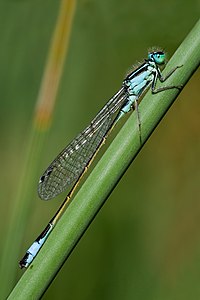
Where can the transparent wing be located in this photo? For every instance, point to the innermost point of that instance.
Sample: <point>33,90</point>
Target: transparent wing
<point>70,163</point>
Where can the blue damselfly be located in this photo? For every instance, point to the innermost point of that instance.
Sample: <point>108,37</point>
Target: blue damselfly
<point>71,164</point>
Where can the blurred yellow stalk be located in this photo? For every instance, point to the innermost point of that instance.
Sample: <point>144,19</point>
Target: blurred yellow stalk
<point>53,71</point>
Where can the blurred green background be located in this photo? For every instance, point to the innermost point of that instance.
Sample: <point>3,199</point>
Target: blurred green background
<point>145,242</point>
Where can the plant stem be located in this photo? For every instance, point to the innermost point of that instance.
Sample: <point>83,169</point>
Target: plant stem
<point>106,174</point>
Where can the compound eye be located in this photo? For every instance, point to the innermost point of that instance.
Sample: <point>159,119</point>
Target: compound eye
<point>159,58</point>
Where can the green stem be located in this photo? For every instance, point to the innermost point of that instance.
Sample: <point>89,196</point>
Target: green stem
<point>106,174</point>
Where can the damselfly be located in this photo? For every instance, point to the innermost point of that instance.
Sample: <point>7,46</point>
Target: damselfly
<point>71,164</point>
